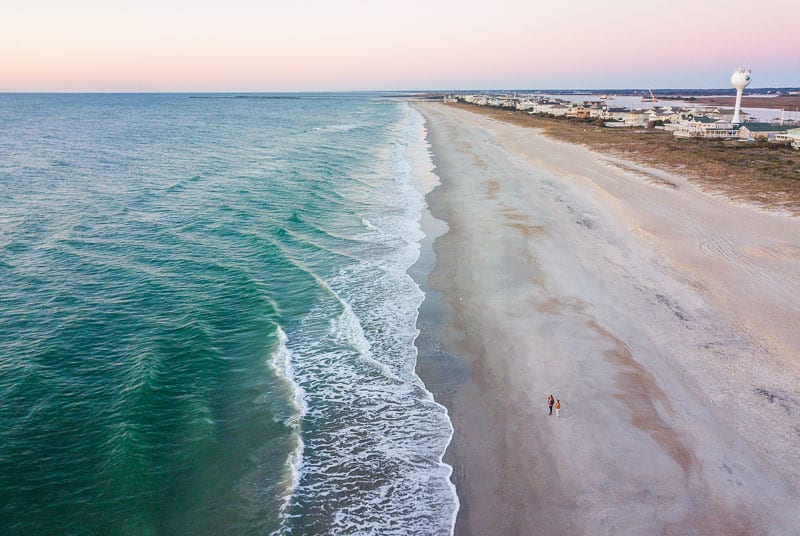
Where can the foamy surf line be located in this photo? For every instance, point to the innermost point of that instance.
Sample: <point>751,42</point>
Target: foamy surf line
<point>281,364</point>
<point>371,444</point>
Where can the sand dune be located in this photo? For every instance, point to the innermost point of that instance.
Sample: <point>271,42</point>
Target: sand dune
<point>664,318</point>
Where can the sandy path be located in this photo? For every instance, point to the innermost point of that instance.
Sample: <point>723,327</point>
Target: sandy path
<point>664,318</point>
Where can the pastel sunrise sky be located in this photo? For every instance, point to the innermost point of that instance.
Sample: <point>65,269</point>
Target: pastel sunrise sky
<point>344,45</point>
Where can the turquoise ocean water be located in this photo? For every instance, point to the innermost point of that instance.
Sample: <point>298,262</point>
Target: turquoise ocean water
<point>206,324</point>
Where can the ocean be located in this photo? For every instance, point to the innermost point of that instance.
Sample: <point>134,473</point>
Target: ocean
<point>207,323</point>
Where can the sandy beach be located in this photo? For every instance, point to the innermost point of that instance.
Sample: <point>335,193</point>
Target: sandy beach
<point>663,317</point>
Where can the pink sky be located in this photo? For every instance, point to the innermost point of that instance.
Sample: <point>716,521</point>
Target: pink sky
<point>315,45</point>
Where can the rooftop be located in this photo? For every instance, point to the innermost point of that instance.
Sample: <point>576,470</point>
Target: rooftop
<point>765,127</point>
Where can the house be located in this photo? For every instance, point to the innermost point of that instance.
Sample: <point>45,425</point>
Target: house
<point>558,110</point>
<point>761,131</point>
<point>792,135</point>
<point>597,111</point>
<point>676,115</point>
<point>634,118</point>
<point>580,111</point>
<point>663,114</point>
<point>543,107</point>
<point>526,104</point>
<point>704,127</point>
<point>614,114</point>
<point>594,109</point>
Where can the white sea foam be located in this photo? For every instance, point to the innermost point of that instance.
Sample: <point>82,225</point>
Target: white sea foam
<point>374,436</point>
<point>337,128</point>
<point>281,364</point>
<point>347,329</point>
<point>368,224</point>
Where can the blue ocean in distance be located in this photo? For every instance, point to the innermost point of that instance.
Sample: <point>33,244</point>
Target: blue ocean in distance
<point>206,321</point>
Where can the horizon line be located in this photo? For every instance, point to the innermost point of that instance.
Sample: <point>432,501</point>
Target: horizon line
<point>372,91</point>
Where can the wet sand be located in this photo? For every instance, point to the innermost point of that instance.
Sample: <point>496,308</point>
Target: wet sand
<point>664,319</point>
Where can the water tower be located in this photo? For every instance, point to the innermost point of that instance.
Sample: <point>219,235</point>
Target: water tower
<point>740,80</point>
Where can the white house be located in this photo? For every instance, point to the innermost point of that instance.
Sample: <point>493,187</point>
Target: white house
<point>635,118</point>
<point>792,135</point>
<point>705,127</point>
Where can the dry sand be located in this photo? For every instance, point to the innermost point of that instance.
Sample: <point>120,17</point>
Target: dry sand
<point>664,318</point>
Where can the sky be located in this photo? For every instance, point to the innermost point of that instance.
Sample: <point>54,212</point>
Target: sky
<point>351,45</point>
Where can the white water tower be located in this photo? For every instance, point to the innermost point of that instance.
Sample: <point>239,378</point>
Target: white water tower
<point>740,80</point>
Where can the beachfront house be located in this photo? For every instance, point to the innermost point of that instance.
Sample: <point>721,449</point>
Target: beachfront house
<point>663,114</point>
<point>761,131</point>
<point>792,135</point>
<point>614,113</point>
<point>579,111</point>
<point>557,110</point>
<point>677,115</point>
<point>586,110</point>
<point>595,109</point>
<point>653,116</point>
<point>542,107</point>
<point>704,127</point>
<point>635,118</point>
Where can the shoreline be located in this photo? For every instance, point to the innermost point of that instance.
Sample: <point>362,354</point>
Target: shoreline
<point>431,362</point>
<point>652,437</point>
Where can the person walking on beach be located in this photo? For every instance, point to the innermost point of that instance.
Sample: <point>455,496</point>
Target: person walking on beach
<point>550,402</point>
<point>558,407</point>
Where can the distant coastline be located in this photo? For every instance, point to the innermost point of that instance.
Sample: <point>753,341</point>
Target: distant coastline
<point>659,92</point>
<point>787,98</point>
<point>758,173</point>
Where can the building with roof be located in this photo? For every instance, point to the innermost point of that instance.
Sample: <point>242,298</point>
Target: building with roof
<point>558,110</point>
<point>792,135</point>
<point>636,118</point>
<point>580,111</point>
<point>761,131</point>
<point>705,127</point>
<point>614,113</point>
<point>526,104</point>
